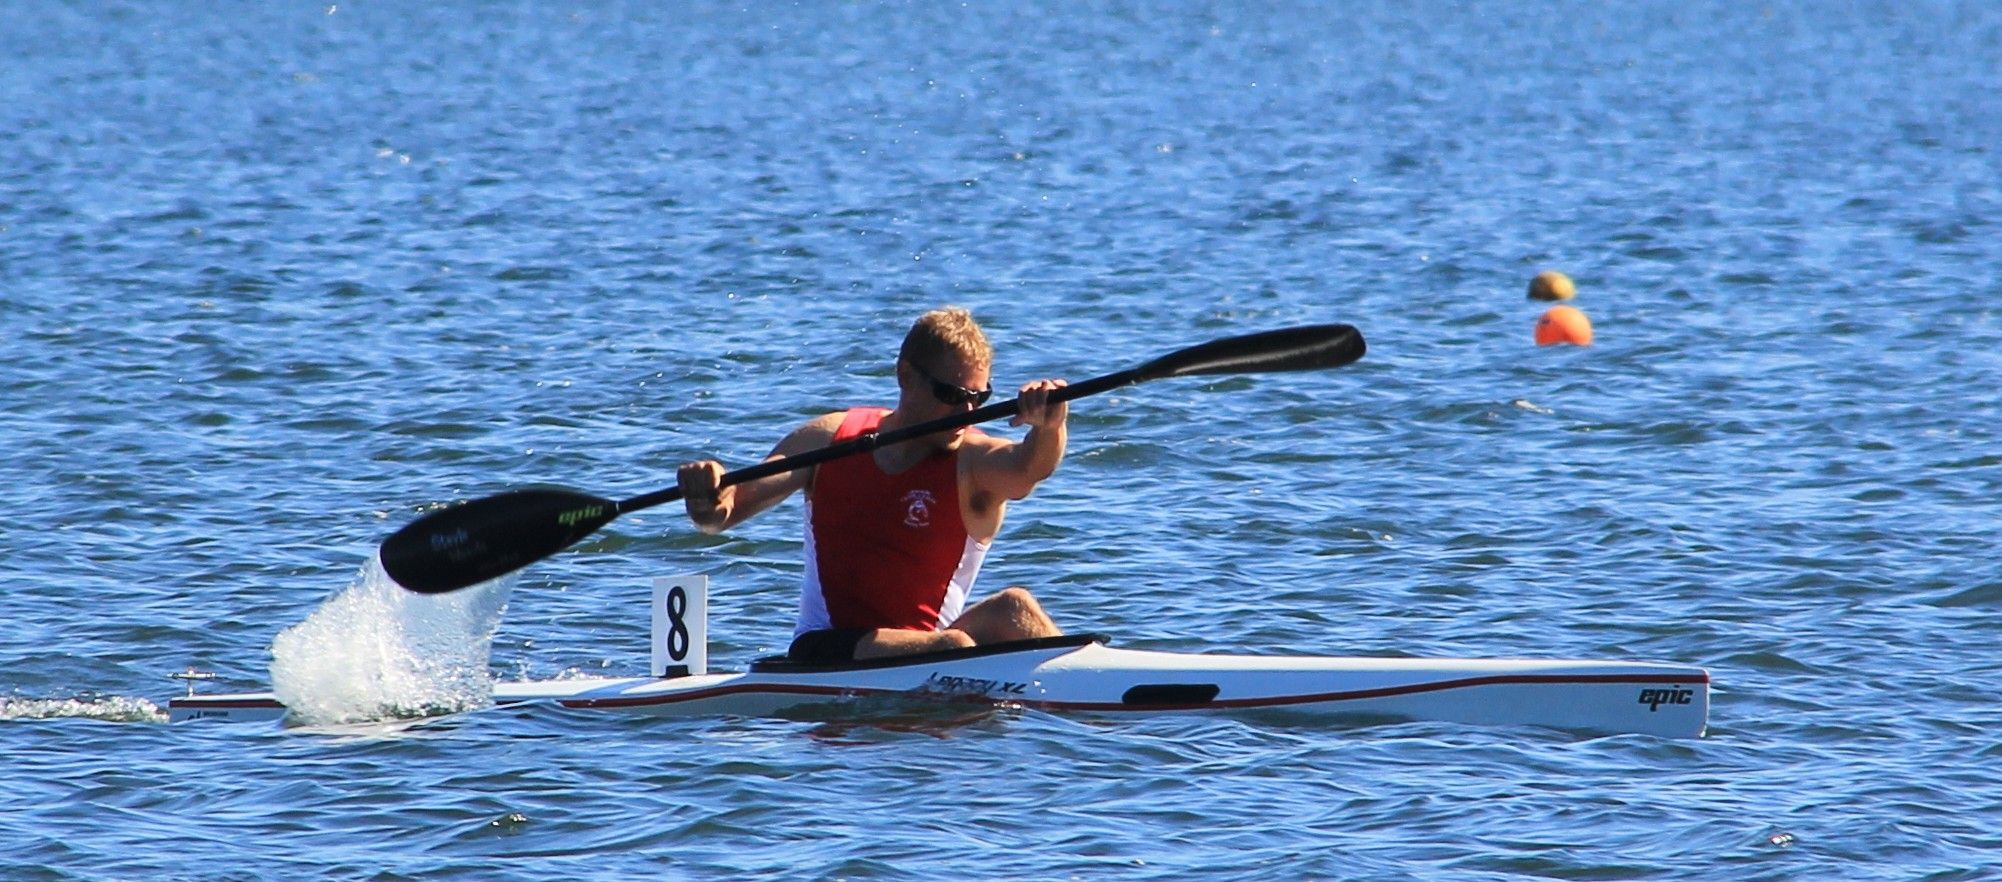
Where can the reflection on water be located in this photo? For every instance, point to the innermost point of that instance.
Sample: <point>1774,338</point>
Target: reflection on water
<point>854,719</point>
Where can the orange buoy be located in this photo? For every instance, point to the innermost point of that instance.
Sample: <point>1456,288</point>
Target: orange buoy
<point>1563,324</point>
<point>1552,285</point>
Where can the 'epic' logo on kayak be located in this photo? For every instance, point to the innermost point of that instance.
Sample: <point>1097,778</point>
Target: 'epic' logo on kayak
<point>1655,698</point>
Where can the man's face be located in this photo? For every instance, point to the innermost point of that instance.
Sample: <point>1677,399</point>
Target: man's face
<point>935,391</point>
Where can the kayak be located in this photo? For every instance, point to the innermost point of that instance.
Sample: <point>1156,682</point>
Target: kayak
<point>1083,674</point>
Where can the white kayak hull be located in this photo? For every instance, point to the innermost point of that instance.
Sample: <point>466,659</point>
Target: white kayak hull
<point>1082,675</point>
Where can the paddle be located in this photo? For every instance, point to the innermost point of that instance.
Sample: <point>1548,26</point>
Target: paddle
<point>467,544</point>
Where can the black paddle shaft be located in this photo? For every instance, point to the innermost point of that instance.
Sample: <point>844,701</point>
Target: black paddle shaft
<point>474,542</point>
<point>1292,349</point>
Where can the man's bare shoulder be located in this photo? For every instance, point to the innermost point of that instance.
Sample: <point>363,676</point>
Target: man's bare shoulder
<point>826,422</point>
<point>814,433</point>
<point>978,448</point>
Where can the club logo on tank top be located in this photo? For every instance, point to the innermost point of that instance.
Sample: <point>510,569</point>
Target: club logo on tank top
<point>917,509</point>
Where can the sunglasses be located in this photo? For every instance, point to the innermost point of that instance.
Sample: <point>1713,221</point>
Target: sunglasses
<point>951,395</point>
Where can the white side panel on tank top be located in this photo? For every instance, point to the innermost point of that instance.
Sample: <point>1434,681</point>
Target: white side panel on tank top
<point>813,614</point>
<point>961,585</point>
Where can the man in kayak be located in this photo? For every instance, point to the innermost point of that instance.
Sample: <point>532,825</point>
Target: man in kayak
<point>894,539</point>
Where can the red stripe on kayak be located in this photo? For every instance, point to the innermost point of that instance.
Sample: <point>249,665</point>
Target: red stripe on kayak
<point>199,703</point>
<point>718,692</point>
<point>226,703</point>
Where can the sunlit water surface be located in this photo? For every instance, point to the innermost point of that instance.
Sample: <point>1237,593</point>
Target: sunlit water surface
<point>276,278</point>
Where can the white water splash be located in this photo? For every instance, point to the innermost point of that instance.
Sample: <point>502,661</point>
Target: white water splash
<point>114,709</point>
<point>374,651</point>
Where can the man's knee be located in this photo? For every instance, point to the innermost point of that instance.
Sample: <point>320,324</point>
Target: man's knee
<point>1017,597</point>
<point>1024,614</point>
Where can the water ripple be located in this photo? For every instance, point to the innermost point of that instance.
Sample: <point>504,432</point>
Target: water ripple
<point>276,288</point>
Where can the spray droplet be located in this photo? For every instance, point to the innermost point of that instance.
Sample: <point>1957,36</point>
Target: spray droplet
<point>374,651</point>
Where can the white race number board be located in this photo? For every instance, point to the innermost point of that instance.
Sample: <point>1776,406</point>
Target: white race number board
<point>680,625</point>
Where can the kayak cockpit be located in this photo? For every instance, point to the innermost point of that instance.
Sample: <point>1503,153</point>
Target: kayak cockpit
<point>779,664</point>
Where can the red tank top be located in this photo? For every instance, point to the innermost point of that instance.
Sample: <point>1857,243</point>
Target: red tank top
<point>885,551</point>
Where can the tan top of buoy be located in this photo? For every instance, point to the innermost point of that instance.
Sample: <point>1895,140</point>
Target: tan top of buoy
<point>1552,285</point>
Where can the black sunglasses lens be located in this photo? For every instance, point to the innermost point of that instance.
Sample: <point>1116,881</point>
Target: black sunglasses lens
<point>954,396</point>
<point>958,396</point>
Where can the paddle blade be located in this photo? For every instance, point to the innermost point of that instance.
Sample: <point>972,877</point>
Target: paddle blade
<point>1313,347</point>
<point>467,544</point>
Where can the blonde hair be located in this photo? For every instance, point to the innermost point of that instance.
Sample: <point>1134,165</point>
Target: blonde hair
<point>949,331</point>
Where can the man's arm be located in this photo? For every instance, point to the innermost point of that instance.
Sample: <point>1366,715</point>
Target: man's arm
<point>714,510</point>
<point>1012,471</point>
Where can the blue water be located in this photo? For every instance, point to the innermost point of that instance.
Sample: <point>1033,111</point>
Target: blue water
<point>277,277</point>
